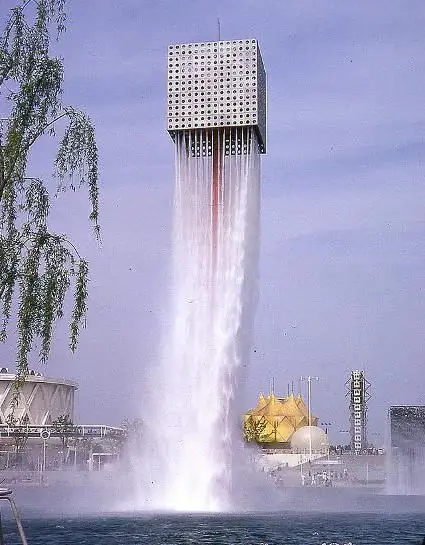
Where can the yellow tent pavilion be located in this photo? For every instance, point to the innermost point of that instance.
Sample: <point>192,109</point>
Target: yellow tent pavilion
<point>275,419</point>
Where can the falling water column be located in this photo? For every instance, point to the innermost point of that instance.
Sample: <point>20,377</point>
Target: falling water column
<point>217,119</point>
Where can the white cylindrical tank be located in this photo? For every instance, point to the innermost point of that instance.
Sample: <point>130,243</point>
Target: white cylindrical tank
<point>40,399</point>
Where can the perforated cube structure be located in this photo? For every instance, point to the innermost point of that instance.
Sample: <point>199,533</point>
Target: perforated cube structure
<point>217,84</point>
<point>406,449</point>
<point>407,426</point>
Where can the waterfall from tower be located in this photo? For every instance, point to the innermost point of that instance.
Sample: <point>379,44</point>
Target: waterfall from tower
<point>215,249</point>
<point>217,120</point>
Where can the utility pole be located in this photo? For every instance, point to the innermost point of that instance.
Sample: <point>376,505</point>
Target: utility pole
<point>309,379</point>
<point>327,425</point>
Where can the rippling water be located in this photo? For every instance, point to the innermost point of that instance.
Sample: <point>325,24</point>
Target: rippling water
<point>276,529</point>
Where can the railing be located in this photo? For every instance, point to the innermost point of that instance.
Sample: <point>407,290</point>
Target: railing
<point>44,432</point>
<point>6,494</point>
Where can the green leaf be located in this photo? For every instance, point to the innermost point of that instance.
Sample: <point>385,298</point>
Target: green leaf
<point>39,269</point>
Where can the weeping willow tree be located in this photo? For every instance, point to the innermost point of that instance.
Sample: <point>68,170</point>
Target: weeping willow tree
<point>39,267</point>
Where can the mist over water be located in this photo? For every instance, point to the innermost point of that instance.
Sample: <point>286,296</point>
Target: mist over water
<point>406,470</point>
<point>195,414</point>
<point>406,451</point>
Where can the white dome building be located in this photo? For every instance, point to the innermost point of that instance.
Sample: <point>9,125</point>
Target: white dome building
<point>300,441</point>
<point>40,400</point>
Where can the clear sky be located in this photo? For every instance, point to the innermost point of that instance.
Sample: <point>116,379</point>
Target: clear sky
<point>343,196</point>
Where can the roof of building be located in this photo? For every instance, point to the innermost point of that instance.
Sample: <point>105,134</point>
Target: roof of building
<point>275,419</point>
<point>34,376</point>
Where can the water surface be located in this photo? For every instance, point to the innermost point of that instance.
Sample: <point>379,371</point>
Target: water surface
<point>247,529</point>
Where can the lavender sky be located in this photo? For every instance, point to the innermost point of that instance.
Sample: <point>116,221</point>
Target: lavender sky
<point>342,237</point>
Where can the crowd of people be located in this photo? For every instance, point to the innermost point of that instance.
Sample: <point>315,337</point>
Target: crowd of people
<point>323,478</point>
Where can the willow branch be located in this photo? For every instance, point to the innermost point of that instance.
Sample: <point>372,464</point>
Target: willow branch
<point>43,130</point>
<point>27,146</point>
<point>2,178</point>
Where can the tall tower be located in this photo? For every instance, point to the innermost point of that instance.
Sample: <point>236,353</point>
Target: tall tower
<point>217,120</point>
<point>216,93</point>
<point>217,86</point>
<point>358,394</point>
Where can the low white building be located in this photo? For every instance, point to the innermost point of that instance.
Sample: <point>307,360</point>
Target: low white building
<point>40,399</point>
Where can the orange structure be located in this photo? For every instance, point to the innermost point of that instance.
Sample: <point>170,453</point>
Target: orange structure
<point>275,419</point>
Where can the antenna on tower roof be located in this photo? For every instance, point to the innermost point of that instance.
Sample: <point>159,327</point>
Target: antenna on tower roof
<point>218,28</point>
